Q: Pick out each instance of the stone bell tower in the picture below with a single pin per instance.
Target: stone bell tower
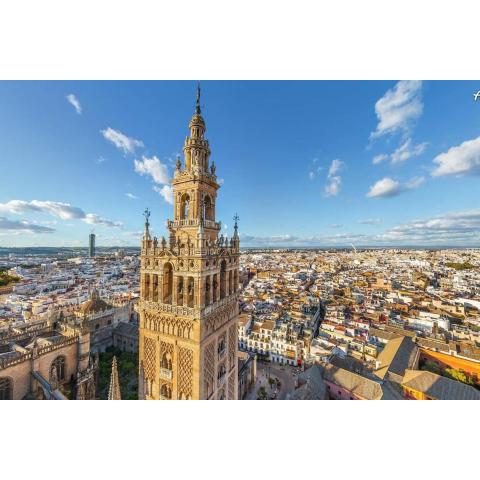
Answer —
(189, 282)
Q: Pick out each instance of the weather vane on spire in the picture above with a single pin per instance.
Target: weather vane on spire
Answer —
(146, 214)
(197, 107)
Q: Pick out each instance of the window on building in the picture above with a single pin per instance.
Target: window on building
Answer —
(58, 367)
(166, 361)
(166, 391)
(6, 388)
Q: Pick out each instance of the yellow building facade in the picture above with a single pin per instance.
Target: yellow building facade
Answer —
(189, 303)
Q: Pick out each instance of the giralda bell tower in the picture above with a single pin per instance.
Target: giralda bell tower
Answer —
(189, 283)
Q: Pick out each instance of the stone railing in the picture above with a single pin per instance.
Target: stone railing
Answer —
(187, 311)
(167, 308)
(14, 360)
(37, 351)
(194, 222)
(166, 374)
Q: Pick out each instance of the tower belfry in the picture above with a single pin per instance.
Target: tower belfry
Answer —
(189, 282)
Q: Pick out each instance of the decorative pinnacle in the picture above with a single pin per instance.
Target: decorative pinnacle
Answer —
(114, 389)
(197, 106)
(236, 218)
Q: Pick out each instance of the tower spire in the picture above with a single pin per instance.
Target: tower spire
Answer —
(114, 390)
(197, 106)
(236, 218)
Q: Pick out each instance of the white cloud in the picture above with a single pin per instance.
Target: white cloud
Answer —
(311, 175)
(152, 167)
(121, 141)
(73, 100)
(335, 167)
(22, 226)
(332, 188)
(414, 182)
(334, 181)
(463, 159)
(166, 192)
(65, 211)
(387, 187)
(61, 210)
(407, 151)
(370, 221)
(398, 108)
(94, 219)
(379, 158)
(101, 159)
(335, 225)
(131, 196)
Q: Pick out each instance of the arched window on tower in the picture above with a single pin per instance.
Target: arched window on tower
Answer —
(166, 361)
(166, 392)
(235, 281)
(223, 279)
(6, 388)
(208, 290)
(190, 292)
(215, 288)
(208, 208)
(180, 290)
(146, 288)
(58, 369)
(167, 283)
(184, 206)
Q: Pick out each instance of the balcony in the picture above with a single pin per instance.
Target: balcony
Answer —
(165, 374)
(193, 222)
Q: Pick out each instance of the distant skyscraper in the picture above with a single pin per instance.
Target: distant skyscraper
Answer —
(91, 245)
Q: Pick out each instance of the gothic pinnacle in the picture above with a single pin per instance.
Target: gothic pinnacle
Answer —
(114, 390)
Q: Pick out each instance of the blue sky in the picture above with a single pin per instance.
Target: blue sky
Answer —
(303, 163)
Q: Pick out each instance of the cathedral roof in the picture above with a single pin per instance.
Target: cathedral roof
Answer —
(94, 305)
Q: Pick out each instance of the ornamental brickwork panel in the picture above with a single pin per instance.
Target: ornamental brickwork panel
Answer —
(185, 373)
(231, 387)
(150, 358)
(232, 346)
(209, 369)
